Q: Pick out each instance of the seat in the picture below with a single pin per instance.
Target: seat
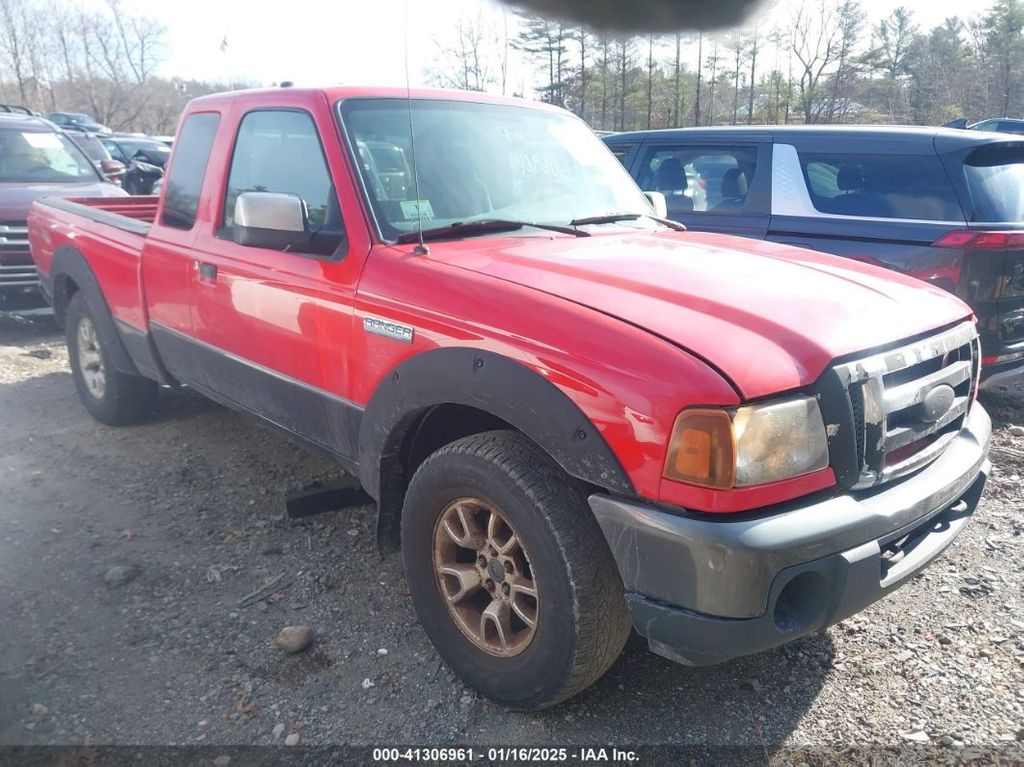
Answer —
(734, 190)
(670, 176)
(855, 199)
(670, 180)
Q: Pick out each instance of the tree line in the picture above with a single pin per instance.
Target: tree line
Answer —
(101, 60)
(827, 63)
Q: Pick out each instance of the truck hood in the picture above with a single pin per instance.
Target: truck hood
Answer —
(770, 317)
(17, 198)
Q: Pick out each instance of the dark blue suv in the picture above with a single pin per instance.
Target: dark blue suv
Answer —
(943, 205)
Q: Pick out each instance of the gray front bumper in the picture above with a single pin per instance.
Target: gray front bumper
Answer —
(704, 589)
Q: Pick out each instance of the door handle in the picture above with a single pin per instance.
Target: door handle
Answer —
(207, 272)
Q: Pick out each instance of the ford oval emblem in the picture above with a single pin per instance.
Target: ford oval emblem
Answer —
(937, 402)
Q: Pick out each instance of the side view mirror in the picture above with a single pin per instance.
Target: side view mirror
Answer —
(113, 169)
(270, 220)
(657, 200)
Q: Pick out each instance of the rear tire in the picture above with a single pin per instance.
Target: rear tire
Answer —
(110, 396)
(489, 519)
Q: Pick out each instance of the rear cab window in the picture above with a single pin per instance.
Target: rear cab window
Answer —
(700, 179)
(880, 186)
(185, 181)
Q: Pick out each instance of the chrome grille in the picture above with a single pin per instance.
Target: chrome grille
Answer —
(899, 426)
(13, 237)
(16, 267)
(18, 276)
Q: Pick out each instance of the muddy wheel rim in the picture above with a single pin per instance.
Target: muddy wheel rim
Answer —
(90, 360)
(485, 577)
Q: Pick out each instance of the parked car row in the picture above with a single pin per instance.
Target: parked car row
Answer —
(945, 206)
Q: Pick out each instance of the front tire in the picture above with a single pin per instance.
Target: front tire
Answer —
(110, 396)
(509, 572)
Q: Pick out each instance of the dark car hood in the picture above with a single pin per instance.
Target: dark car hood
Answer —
(771, 317)
(158, 159)
(17, 198)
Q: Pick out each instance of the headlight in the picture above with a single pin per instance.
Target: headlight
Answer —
(751, 445)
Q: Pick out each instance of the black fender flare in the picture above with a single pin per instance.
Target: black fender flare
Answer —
(489, 382)
(69, 263)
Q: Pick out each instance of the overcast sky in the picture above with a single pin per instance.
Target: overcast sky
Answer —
(362, 41)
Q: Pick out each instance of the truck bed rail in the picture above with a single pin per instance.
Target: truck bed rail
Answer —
(130, 214)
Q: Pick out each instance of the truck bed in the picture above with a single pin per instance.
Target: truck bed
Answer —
(120, 212)
(111, 231)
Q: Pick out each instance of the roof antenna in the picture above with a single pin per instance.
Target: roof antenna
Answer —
(421, 248)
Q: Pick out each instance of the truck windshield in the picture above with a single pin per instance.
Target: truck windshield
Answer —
(481, 161)
(42, 157)
(995, 183)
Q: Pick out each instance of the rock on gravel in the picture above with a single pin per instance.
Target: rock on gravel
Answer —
(293, 639)
(119, 575)
(292, 740)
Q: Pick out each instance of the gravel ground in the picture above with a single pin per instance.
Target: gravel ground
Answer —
(124, 554)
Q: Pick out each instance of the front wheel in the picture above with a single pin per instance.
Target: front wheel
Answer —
(110, 396)
(509, 573)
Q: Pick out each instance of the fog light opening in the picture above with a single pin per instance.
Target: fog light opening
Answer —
(801, 602)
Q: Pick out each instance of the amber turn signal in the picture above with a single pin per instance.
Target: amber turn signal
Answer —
(702, 450)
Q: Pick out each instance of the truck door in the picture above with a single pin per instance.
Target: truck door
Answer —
(710, 186)
(273, 325)
(166, 260)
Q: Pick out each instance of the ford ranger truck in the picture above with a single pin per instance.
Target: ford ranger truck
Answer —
(574, 418)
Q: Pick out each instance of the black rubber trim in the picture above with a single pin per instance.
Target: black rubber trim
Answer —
(847, 583)
(140, 347)
(315, 418)
(496, 385)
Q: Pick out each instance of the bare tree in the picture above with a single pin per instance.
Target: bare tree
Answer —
(752, 49)
(738, 45)
(13, 43)
(713, 66)
(677, 87)
(814, 38)
(464, 62)
(851, 20)
(700, 69)
(650, 79)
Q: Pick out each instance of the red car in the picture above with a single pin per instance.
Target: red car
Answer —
(573, 416)
(36, 160)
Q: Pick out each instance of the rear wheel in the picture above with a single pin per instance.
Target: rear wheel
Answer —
(509, 572)
(110, 396)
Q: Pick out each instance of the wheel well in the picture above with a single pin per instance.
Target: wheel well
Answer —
(440, 426)
(64, 287)
(431, 430)
(426, 432)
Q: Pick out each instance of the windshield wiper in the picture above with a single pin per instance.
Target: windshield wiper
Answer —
(611, 218)
(484, 226)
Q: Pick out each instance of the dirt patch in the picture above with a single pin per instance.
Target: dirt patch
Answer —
(191, 505)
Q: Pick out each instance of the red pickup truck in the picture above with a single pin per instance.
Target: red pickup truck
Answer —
(573, 416)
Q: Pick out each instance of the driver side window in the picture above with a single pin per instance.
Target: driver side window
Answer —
(280, 151)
